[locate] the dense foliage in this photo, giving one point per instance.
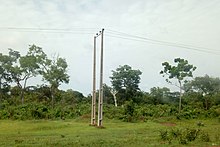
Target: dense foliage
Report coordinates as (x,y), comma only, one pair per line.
(72,104)
(123,101)
(125,81)
(18,69)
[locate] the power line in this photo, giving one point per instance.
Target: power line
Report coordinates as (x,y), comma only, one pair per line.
(155,40)
(51,30)
(110,33)
(188,48)
(117,34)
(46,29)
(58,32)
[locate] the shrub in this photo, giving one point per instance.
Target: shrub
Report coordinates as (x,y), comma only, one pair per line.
(184,136)
(204,136)
(191,134)
(175,133)
(129,109)
(112,112)
(163,135)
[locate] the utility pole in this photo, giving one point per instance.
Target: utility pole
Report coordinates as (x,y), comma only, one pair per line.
(100,104)
(93,113)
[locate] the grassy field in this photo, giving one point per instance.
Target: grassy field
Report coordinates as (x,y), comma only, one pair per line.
(116,133)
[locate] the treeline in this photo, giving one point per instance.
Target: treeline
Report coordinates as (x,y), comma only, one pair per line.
(198,97)
(72,104)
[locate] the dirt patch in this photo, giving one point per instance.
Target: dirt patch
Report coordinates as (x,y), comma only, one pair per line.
(170,124)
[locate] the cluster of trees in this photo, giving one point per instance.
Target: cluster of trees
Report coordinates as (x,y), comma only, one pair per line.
(17,69)
(204,90)
(199,93)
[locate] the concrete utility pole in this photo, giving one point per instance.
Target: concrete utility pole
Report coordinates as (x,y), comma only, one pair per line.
(100,104)
(93,113)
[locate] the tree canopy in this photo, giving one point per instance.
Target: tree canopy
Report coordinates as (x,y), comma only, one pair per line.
(17,68)
(125,81)
(180,72)
(206,85)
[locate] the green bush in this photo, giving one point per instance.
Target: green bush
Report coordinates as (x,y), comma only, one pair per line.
(191,134)
(175,133)
(112,112)
(4,114)
(184,136)
(164,135)
(204,136)
(42,111)
(129,112)
(129,108)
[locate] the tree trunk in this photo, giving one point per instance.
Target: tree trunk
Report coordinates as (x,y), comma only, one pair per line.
(23,90)
(22,96)
(206,103)
(114,96)
(180,99)
(52,96)
(53,90)
(115,100)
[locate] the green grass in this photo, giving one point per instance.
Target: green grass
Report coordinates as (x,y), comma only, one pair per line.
(116,133)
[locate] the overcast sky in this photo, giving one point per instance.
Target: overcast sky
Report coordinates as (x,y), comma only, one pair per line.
(181,22)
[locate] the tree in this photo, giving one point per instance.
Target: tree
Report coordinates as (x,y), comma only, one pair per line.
(5,62)
(125,81)
(206,86)
(180,72)
(23,68)
(55,72)
(12,68)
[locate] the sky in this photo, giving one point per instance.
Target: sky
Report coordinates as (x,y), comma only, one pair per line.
(142,34)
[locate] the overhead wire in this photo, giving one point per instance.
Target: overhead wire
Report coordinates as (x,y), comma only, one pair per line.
(52,30)
(58,32)
(160,41)
(127,36)
(46,29)
(111,33)
(188,48)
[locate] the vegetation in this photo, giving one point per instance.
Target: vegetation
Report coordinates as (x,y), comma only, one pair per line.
(179,72)
(125,81)
(17,69)
(116,133)
(59,118)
